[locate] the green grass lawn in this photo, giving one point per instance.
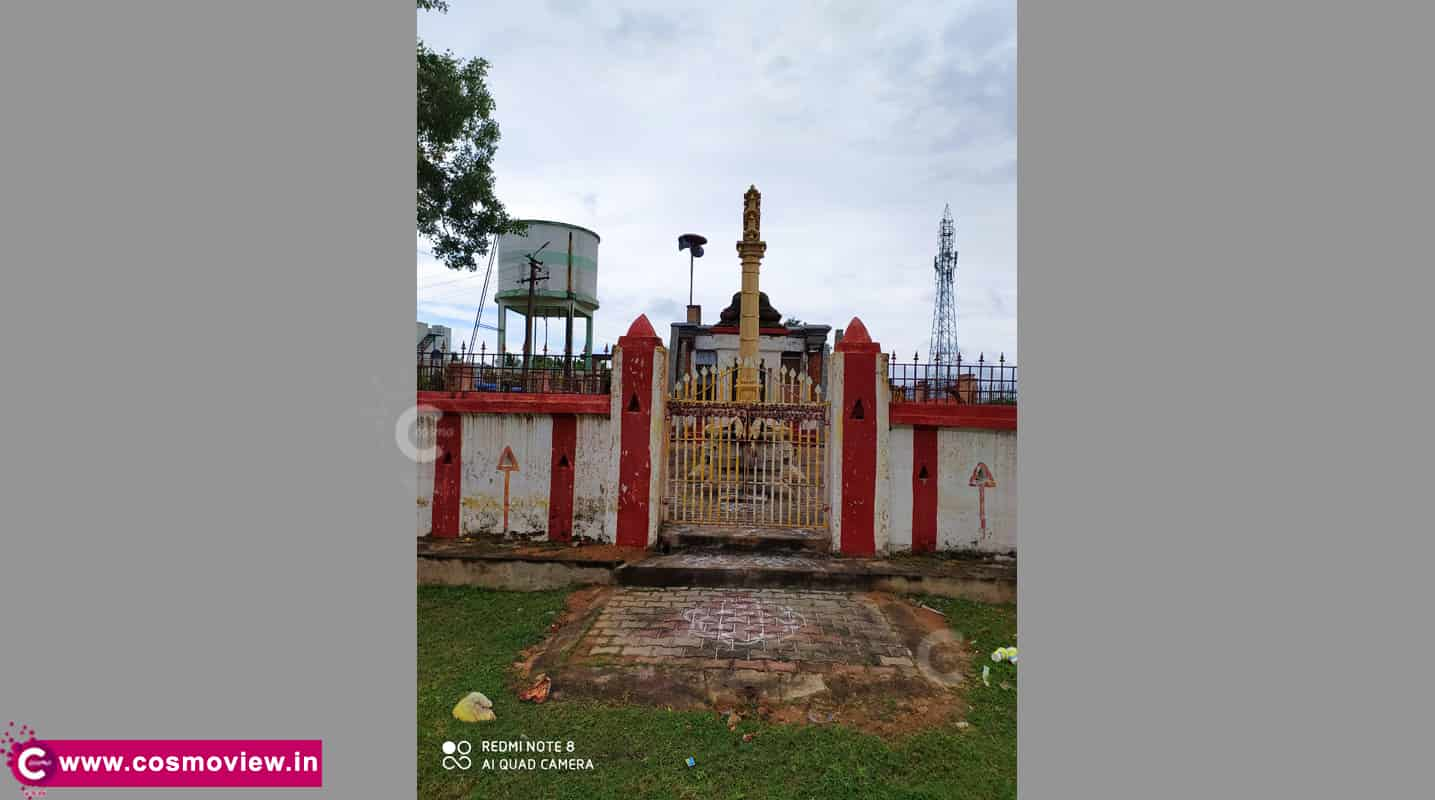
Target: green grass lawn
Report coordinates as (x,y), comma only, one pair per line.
(467,638)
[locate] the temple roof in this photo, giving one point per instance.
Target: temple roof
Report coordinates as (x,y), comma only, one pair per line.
(767,316)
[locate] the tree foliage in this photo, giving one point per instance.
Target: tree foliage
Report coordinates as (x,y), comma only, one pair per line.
(457,137)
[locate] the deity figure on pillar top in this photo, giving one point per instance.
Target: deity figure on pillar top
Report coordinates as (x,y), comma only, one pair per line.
(751,215)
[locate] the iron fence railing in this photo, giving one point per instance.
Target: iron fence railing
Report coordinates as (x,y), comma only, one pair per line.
(507,372)
(974,382)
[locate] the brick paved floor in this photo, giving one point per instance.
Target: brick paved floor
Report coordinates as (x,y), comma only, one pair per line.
(793,652)
(774,630)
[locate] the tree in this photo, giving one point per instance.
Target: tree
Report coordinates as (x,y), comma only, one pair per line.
(457,138)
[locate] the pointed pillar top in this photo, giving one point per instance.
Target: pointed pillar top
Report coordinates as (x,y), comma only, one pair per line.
(640,333)
(855,339)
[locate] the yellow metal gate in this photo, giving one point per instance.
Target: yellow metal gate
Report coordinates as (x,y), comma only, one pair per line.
(730,463)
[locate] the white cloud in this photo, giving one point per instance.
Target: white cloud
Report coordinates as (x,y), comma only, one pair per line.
(857,123)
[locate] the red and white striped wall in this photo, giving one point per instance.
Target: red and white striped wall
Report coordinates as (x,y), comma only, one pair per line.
(909,476)
(935,505)
(554,466)
(549,466)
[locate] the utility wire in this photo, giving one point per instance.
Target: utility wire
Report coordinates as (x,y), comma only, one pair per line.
(487,277)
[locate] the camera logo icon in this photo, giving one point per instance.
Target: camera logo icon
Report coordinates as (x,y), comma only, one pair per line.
(456,755)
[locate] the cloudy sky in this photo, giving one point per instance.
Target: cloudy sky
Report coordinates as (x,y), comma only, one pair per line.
(857,121)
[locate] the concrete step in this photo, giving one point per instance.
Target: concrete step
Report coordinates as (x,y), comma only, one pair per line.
(985,580)
(674,536)
(714,567)
(520,566)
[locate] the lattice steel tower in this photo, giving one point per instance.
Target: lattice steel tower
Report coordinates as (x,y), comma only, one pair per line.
(944,309)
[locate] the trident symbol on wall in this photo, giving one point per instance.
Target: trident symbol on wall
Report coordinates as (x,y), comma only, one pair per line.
(983,480)
(508,465)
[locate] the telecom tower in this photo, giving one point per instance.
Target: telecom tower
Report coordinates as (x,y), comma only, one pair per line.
(944,311)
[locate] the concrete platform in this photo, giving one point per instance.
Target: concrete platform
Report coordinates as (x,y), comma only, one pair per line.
(675,536)
(869,660)
(518,566)
(987,580)
(493,548)
(521,566)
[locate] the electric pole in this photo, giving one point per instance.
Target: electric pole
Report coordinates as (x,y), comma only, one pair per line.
(534,268)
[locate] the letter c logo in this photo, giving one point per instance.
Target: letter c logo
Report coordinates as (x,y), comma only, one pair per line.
(22,763)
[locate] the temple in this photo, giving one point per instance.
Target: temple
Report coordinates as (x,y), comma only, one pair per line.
(749,328)
(798,347)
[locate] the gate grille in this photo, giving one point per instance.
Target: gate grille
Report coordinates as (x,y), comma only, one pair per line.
(729,463)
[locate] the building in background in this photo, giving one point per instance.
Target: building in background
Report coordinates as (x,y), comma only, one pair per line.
(802,348)
(434,337)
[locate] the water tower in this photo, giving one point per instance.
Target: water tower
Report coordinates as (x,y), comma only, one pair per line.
(566,285)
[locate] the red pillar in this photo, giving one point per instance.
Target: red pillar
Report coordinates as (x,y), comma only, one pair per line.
(859,440)
(447,473)
(924,490)
(635,416)
(560,489)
